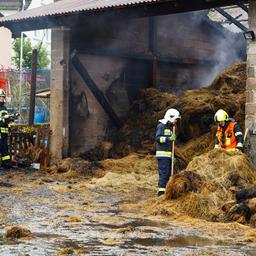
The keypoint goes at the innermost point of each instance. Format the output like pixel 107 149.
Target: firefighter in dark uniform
pixel 5 119
pixel 229 135
pixel 164 138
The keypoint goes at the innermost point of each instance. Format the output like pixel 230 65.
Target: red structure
pixel 4 83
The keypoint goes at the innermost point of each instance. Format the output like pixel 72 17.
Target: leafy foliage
pixel 43 59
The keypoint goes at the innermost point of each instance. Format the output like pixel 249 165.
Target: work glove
pixel 171 138
pixel 14 116
pixel 239 145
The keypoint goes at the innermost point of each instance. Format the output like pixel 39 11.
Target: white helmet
pixel 172 114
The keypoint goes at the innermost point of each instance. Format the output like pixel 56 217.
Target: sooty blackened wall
pixel 117 54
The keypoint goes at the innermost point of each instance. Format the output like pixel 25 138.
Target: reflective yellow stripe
pixel 163 154
pixel 232 149
pixel 2 114
pixel 161 189
pixel 238 133
pixel 167 132
pixel 162 139
pixel 6 158
pixel 4 130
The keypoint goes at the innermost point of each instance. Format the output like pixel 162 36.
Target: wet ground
pixel 75 217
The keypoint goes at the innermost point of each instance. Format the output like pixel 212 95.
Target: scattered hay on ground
pixel 66 251
pixel 134 170
pixel 126 230
pixel 17 232
pixel 133 163
pixel 74 219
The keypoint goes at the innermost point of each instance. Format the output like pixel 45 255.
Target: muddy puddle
pixel 71 218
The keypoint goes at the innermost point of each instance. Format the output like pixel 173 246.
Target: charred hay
pixel 75 167
pixel 210 184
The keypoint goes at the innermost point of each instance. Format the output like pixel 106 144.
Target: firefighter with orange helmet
pixel 164 139
pixel 5 119
pixel 229 134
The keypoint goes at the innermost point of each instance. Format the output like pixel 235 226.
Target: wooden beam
pixel 95 90
pixel 33 88
pixel 116 53
pixel 244 7
pixel 232 19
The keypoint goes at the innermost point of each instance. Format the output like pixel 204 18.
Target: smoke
pixel 230 48
pixel 194 36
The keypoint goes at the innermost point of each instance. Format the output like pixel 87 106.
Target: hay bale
pixel 182 183
pixel 17 232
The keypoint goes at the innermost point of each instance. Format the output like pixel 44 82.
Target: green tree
pixel 43 59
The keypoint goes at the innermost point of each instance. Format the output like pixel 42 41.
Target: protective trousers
pixel 164 173
pixel 6 159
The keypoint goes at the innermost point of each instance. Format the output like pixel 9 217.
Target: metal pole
pixel 172 166
pixel 21 61
pixel 21 75
pixel 33 88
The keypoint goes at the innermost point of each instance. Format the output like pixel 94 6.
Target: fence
pixel 18 91
pixel 31 143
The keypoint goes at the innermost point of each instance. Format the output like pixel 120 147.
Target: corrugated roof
pixel 58 13
pixel 69 7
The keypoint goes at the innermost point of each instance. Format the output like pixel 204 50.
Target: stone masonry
pixel 250 106
pixel 59 100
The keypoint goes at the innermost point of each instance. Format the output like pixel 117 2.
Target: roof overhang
pixel 74 13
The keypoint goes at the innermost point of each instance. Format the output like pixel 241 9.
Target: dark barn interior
pixel 123 56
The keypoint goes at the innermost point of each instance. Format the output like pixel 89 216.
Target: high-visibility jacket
pixel 163 147
pixel 4 130
pixel 5 120
pixel 229 136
